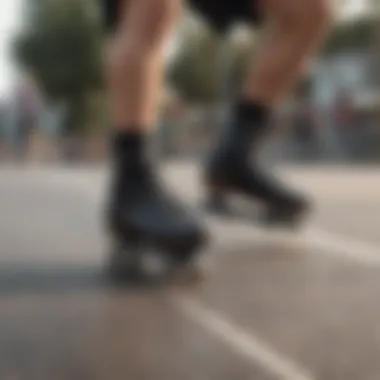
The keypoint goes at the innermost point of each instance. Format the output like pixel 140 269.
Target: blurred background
pixel 53 97
pixel 292 306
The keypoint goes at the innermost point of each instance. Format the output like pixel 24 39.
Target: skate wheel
pixel 140 264
pixel 137 263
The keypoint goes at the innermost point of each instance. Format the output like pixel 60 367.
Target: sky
pixel 10 19
pixel 10 22
pixel 353 7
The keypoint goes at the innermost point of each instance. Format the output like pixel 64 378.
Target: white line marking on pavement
pixel 328 244
pixel 244 343
pixel 343 246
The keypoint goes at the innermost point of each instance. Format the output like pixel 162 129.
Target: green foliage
pixel 62 47
pixel 194 71
pixel 352 35
pixel 240 54
pixel 197 70
pixel 97 113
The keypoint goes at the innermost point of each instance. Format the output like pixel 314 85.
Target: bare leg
pixel 136 56
pixel 142 215
pixel 295 29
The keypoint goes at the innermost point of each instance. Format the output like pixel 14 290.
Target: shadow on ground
pixel 52 278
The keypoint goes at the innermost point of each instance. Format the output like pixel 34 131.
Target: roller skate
pixel 155 239
pixel 276 206
pixel 233 169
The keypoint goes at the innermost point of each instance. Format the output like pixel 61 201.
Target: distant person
pixel 27 109
pixel 345 122
pixel 305 121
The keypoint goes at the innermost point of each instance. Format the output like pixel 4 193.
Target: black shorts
pixel 220 14
pixel 110 9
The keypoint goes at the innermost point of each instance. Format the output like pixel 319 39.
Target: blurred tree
pixel 242 47
pixel 193 69
pixel 376 41
pixel 61 46
pixel 376 62
pixel 350 35
pixel 202 60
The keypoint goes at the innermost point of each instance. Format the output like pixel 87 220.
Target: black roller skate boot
pixel 154 235
pixel 230 171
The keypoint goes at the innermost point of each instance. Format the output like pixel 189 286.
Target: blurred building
pixel 2 129
pixel 347 78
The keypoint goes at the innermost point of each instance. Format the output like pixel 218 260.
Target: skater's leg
pixel 135 65
pixel 294 29
pixel 141 213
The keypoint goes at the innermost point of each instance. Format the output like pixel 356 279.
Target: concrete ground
pixel 274 306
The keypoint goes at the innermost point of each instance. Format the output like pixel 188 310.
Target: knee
pixel 317 14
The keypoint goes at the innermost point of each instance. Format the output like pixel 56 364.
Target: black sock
pixel 250 118
pixel 248 122
pixel 130 149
